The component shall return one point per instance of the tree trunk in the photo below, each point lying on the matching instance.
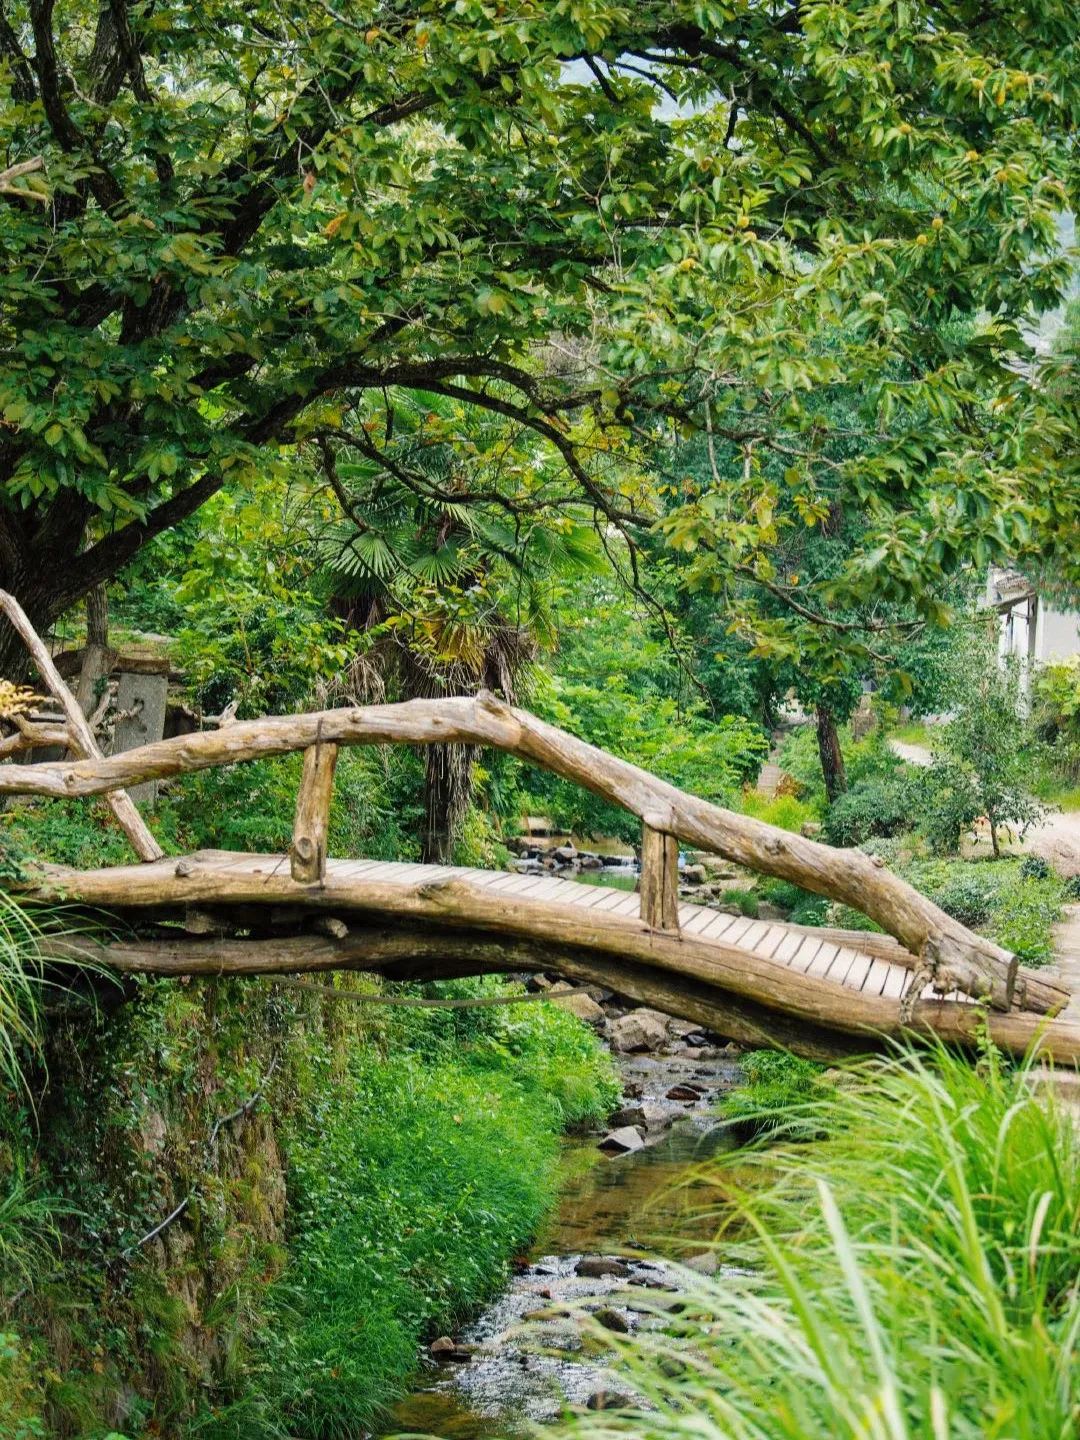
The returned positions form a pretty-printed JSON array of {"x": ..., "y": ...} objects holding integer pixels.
[
  {"x": 447, "y": 792},
  {"x": 95, "y": 661},
  {"x": 832, "y": 757}
]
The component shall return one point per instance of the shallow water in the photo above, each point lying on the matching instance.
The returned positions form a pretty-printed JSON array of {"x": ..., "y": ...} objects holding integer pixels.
[{"x": 530, "y": 1360}]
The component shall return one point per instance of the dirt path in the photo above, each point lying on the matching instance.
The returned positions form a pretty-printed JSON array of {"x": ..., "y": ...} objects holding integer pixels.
[{"x": 1067, "y": 953}]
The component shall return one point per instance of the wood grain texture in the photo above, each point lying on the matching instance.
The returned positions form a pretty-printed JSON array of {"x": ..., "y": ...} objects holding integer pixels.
[
  {"x": 818, "y": 984},
  {"x": 659, "y": 879},
  {"x": 311, "y": 826}
]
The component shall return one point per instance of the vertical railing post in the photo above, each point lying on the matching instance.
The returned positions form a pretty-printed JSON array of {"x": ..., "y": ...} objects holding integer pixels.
[
  {"x": 307, "y": 854},
  {"x": 659, "y": 876}
]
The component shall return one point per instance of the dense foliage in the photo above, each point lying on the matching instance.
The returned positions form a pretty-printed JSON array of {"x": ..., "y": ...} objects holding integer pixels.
[
  {"x": 378, "y": 1188},
  {"x": 252, "y": 232}
]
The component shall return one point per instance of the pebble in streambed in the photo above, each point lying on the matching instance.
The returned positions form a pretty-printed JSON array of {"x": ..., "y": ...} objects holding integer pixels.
[{"x": 527, "y": 1356}]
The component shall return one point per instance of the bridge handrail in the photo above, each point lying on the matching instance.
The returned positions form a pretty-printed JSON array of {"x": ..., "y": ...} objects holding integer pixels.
[{"x": 949, "y": 956}]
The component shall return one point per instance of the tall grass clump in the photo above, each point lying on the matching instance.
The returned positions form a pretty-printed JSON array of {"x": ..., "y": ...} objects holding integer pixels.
[
  {"x": 20, "y": 988},
  {"x": 914, "y": 1275}
]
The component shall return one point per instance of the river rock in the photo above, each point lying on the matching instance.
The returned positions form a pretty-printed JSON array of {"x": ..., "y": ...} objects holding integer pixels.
[
  {"x": 707, "y": 1263},
  {"x": 613, "y": 1320},
  {"x": 583, "y": 1006},
  {"x": 658, "y": 1116},
  {"x": 623, "y": 1140},
  {"x": 693, "y": 875},
  {"x": 444, "y": 1349},
  {"x": 629, "y": 1115},
  {"x": 642, "y": 1029},
  {"x": 682, "y": 1028},
  {"x": 607, "y": 1400},
  {"x": 685, "y": 1093},
  {"x": 566, "y": 853},
  {"x": 598, "y": 1267}
]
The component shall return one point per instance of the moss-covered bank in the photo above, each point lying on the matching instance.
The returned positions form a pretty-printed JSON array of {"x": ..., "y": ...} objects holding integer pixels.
[{"x": 390, "y": 1166}]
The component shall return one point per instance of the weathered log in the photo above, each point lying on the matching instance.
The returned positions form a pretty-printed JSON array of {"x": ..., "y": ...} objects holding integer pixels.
[
  {"x": 659, "y": 879},
  {"x": 307, "y": 855},
  {"x": 457, "y": 904},
  {"x": 403, "y": 953},
  {"x": 954, "y": 957},
  {"x": 80, "y": 737}
]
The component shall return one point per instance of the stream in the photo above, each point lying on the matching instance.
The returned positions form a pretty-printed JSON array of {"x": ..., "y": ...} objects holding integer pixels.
[{"x": 523, "y": 1360}]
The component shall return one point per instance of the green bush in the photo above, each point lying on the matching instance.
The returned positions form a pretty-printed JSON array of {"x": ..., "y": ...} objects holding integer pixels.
[
  {"x": 772, "y": 1098},
  {"x": 1034, "y": 867},
  {"x": 746, "y": 900},
  {"x": 995, "y": 896},
  {"x": 784, "y": 811},
  {"x": 412, "y": 1181},
  {"x": 947, "y": 802},
  {"x": 784, "y": 894},
  {"x": 878, "y": 807},
  {"x": 814, "y": 910}
]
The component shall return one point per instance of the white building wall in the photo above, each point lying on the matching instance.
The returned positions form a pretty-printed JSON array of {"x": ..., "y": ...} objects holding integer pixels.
[{"x": 1057, "y": 635}]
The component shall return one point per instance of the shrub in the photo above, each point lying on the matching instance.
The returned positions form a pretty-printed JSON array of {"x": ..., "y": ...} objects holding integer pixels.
[
  {"x": 775, "y": 1088},
  {"x": 1017, "y": 911},
  {"x": 968, "y": 892},
  {"x": 1034, "y": 867},
  {"x": 784, "y": 811},
  {"x": 784, "y": 894},
  {"x": 992, "y": 742},
  {"x": 947, "y": 802},
  {"x": 814, "y": 910},
  {"x": 911, "y": 1275},
  {"x": 411, "y": 1183},
  {"x": 877, "y": 807},
  {"x": 746, "y": 900}
]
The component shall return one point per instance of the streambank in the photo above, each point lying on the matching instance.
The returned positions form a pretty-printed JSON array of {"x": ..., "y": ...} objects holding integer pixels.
[
  {"x": 334, "y": 1180},
  {"x": 622, "y": 1218}
]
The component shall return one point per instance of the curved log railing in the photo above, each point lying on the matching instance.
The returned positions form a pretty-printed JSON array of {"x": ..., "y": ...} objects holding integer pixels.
[{"x": 945, "y": 953}]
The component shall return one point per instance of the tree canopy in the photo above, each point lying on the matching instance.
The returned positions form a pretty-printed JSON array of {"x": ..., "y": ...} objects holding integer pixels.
[{"x": 252, "y": 230}]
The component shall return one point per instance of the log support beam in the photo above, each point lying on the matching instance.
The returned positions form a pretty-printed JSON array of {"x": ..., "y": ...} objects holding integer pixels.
[
  {"x": 659, "y": 877},
  {"x": 405, "y": 952},
  {"x": 79, "y": 735},
  {"x": 307, "y": 854}
]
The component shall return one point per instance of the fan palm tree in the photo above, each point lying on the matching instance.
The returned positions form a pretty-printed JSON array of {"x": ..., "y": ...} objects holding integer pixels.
[{"x": 455, "y": 589}]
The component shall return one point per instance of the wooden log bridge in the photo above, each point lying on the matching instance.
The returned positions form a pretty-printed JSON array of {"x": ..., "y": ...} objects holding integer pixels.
[{"x": 818, "y": 991}]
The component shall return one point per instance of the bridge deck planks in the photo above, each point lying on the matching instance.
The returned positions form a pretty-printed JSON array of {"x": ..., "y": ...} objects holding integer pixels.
[{"x": 807, "y": 954}]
